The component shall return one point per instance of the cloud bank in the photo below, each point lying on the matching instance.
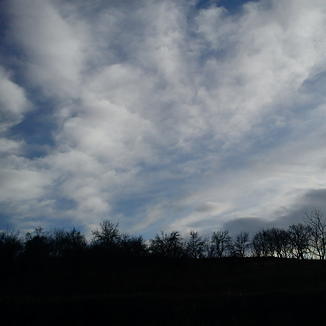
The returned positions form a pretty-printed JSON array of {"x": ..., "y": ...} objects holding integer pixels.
[{"x": 161, "y": 115}]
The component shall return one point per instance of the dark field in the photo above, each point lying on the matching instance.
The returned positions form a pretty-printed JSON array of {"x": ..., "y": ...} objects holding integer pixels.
[{"x": 150, "y": 291}]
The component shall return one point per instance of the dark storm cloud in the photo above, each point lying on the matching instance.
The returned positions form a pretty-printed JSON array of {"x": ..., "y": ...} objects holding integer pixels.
[{"x": 296, "y": 213}]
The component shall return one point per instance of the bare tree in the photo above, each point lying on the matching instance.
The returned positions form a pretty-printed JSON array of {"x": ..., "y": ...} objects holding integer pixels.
[
  {"x": 260, "y": 244},
  {"x": 240, "y": 245},
  {"x": 107, "y": 236},
  {"x": 195, "y": 245},
  {"x": 133, "y": 245},
  {"x": 68, "y": 243},
  {"x": 279, "y": 242},
  {"x": 317, "y": 223},
  {"x": 220, "y": 244},
  {"x": 10, "y": 245},
  {"x": 299, "y": 235},
  {"x": 167, "y": 245},
  {"x": 37, "y": 244},
  {"x": 272, "y": 242}
]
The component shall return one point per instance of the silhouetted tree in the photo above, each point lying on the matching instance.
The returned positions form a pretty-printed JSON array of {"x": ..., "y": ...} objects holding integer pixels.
[
  {"x": 107, "y": 236},
  {"x": 240, "y": 245},
  {"x": 260, "y": 244},
  {"x": 273, "y": 242},
  {"x": 220, "y": 244},
  {"x": 167, "y": 245},
  {"x": 10, "y": 246},
  {"x": 317, "y": 223},
  {"x": 299, "y": 235},
  {"x": 133, "y": 245},
  {"x": 68, "y": 243},
  {"x": 195, "y": 245},
  {"x": 37, "y": 244},
  {"x": 279, "y": 242}
]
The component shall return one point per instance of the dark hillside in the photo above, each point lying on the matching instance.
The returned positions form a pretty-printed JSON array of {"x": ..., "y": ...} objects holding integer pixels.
[
  {"x": 60, "y": 278},
  {"x": 152, "y": 291}
]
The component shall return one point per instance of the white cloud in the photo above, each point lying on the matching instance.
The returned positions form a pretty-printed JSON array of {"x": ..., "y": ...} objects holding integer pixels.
[
  {"x": 52, "y": 44},
  {"x": 159, "y": 99},
  {"x": 9, "y": 147},
  {"x": 21, "y": 184},
  {"x": 13, "y": 101}
]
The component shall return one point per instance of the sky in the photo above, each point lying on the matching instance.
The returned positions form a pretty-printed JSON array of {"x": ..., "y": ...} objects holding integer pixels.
[{"x": 161, "y": 115}]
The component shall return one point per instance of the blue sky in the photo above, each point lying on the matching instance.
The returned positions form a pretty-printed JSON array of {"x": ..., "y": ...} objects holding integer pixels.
[{"x": 161, "y": 115}]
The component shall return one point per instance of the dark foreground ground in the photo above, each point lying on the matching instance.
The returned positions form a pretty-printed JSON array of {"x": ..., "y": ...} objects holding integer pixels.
[{"x": 164, "y": 292}]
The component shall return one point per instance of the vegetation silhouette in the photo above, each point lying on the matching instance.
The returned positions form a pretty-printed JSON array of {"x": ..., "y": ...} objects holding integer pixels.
[{"x": 61, "y": 277}]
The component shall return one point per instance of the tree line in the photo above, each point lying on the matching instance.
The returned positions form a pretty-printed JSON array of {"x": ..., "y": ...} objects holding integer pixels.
[{"x": 306, "y": 240}]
